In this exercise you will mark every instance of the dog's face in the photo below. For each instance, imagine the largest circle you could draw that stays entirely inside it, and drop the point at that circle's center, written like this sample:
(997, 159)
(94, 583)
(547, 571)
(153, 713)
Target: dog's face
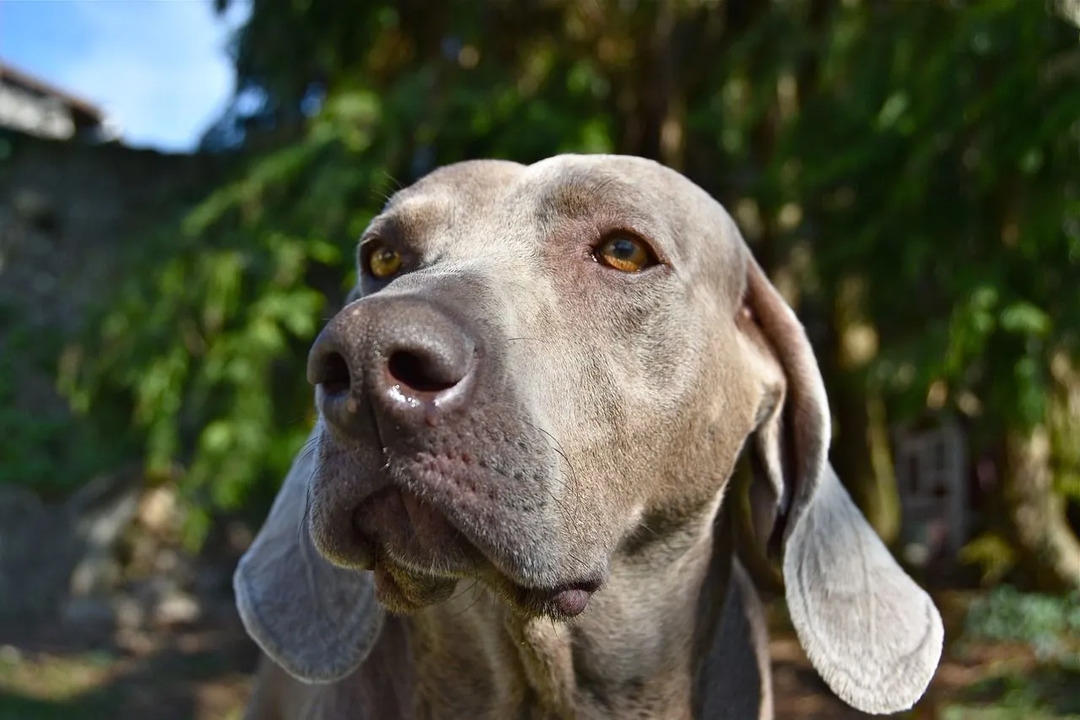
(549, 370)
(544, 368)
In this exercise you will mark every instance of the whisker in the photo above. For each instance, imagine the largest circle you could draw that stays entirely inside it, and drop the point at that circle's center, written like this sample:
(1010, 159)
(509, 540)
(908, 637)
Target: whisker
(394, 182)
(477, 592)
(556, 446)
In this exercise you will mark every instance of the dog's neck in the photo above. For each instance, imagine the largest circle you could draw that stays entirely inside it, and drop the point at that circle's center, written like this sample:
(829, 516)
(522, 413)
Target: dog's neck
(629, 655)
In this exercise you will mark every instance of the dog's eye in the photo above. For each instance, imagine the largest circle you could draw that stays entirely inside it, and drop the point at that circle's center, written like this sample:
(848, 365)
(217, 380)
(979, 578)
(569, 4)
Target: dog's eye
(382, 262)
(625, 253)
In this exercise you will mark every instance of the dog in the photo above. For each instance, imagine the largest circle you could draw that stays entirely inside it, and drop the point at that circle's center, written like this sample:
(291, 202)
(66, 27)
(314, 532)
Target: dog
(511, 505)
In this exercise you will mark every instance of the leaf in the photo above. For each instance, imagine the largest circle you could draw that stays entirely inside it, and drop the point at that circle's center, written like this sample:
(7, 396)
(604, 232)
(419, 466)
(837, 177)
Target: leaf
(1025, 318)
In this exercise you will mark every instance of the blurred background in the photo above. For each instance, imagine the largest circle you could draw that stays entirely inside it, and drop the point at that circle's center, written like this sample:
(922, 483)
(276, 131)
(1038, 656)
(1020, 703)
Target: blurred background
(182, 184)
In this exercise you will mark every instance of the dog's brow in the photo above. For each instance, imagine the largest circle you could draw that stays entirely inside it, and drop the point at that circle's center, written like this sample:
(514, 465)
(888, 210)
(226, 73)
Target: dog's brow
(412, 219)
(577, 198)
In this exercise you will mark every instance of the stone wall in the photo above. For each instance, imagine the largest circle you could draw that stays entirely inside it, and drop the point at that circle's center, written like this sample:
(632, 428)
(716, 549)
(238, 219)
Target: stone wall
(71, 216)
(70, 211)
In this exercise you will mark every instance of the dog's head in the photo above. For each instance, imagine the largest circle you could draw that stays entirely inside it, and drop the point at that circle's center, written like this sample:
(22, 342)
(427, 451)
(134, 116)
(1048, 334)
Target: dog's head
(545, 368)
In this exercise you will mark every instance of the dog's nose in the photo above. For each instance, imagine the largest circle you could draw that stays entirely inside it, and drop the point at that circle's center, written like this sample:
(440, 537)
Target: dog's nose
(412, 361)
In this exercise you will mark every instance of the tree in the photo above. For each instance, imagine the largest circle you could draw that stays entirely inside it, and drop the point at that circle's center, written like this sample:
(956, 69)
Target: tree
(904, 171)
(952, 177)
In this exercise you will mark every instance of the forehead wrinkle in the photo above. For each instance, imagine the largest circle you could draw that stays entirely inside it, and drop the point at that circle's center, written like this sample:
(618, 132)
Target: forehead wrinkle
(413, 219)
(575, 198)
(604, 203)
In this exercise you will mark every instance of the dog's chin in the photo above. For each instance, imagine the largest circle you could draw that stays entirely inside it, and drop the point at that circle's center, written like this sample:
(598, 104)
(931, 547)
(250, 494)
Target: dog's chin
(404, 591)
(418, 556)
(412, 535)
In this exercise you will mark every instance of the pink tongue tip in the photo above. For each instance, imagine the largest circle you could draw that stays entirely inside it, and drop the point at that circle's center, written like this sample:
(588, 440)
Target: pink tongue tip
(572, 601)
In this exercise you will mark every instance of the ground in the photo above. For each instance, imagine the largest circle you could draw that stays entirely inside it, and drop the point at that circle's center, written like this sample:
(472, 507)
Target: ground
(201, 671)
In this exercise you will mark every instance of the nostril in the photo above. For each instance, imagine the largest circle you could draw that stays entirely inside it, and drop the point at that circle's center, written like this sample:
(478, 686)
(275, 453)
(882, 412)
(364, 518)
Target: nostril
(416, 372)
(334, 374)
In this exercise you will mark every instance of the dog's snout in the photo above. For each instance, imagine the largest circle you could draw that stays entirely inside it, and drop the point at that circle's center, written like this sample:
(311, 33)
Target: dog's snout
(335, 369)
(423, 372)
(405, 357)
(330, 371)
(426, 361)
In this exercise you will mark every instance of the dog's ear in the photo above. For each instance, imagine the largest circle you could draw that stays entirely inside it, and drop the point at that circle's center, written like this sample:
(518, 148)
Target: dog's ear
(873, 635)
(317, 621)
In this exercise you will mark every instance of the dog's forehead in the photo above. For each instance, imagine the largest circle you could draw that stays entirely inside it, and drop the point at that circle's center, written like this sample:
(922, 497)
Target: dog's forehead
(471, 180)
(476, 197)
(597, 179)
(559, 180)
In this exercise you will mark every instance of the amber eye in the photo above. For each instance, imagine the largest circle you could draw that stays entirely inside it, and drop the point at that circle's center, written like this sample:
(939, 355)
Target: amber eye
(382, 262)
(625, 253)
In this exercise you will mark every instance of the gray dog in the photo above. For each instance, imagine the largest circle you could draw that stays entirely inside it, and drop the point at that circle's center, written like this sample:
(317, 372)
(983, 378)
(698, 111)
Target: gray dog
(527, 422)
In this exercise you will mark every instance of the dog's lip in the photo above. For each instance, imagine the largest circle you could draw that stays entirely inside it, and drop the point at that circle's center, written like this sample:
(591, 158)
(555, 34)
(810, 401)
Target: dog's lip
(437, 547)
(423, 589)
(414, 533)
(562, 601)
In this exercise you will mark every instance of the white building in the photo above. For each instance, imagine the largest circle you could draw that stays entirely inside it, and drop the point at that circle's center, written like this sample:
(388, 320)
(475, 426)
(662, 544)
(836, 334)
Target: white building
(32, 106)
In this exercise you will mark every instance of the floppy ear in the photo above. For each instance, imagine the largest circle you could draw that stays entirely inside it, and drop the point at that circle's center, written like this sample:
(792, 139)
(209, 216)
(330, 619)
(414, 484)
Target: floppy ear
(873, 635)
(317, 621)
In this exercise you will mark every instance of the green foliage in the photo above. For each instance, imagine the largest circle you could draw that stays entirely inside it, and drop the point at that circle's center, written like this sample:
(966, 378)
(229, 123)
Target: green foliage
(46, 451)
(992, 554)
(1049, 624)
(204, 345)
(1050, 692)
(944, 156)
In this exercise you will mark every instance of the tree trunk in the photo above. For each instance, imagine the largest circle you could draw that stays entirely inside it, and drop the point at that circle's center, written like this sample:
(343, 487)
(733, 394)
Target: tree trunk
(861, 455)
(860, 449)
(1048, 547)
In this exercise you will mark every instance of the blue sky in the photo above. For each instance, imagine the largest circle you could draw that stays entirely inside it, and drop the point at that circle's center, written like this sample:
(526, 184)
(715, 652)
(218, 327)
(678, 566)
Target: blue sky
(159, 68)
